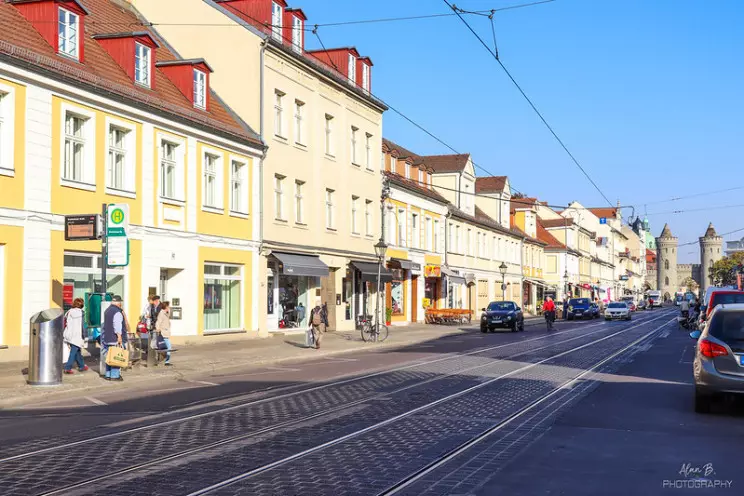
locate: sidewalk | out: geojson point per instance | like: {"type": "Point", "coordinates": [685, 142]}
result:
{"type": "Point", "coordinates": [205, 358]}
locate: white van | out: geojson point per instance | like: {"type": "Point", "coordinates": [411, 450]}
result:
{"type": "Point", "coordinates": [655, 297]}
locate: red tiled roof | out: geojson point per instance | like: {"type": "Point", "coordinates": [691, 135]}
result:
{"type": "Point", "coordinates": [23, 45]}
{"type": "Point", "coordinates": [516, 203]}
{"type": "Point", "coordinates": [607, 213]}
{"type": "Point", "coordinates": [544, 236]}
{"type": "Point", "coordinates": [404, 153]}
{"type": "Point", "coordinates": [447, 163]}
{"type": "Point", "coordinates": [415, 186]}
{"type": "Point", "coordinates": [550, 223]}
{"type": "Point", "coordinates": [493, 184]}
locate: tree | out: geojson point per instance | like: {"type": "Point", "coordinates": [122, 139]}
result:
{"type": "Point", "coordinates": [691, 284]}
{"type": "Point", "coordinates": [724, 270]}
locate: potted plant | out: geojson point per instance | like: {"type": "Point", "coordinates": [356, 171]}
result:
{"type": "Point", "coordinates": [388, 315]}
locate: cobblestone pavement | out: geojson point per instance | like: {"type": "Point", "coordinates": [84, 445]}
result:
{"type": "Point", "coordinates": [378, 429]}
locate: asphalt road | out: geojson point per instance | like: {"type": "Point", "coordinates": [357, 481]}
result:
{"type": "Point", "coordinates": [592, 408]}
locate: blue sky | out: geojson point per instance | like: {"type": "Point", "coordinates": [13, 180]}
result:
{"type": "Point", "coordinates": [647, 94]}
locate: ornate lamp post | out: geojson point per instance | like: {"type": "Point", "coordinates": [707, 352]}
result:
{"type": "Point", "coordinates": [503, 268]}
{"type": "Point", "coordinates": [565, 282]}
{"type": "Point", "coordinates": [380, 249]}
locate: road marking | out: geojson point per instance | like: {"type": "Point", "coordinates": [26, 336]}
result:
{"type": "Point", "coordinates": [206, 383]}
{"type": "Point", "coordinates": [96, 401]}
{"type": "Point", "coordinates": [335, 359]}
{"type": "Point", "coordinates": [283, 369]}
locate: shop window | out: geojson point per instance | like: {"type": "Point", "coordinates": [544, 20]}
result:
{"type": "Point", "coordinates": [7, 131]}
{"type": "Point", "coordinates": [396, 292]}
{"type": "Point", "coordinates": [83, 272]}
{"type": "Point", "coordinates": [222, 297]}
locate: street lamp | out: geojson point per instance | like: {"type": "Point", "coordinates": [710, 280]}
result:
{"type": "Point", "coordinates": [503, 268]}
{"type": "Point", "coordinates": [565, 282]}
{"type": "Point", "coordinates": [380, 249]}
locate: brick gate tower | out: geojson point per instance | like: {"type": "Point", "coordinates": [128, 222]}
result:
{"type": "Point", "coordinates": [711, 251]}
{"type": "Point", "coordinates": [666, 262]}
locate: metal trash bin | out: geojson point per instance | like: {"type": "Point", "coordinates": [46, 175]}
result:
{"type": "Point", "coordinates": [45, 348]}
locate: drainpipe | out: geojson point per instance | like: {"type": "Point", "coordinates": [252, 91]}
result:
{"type": "Point", "coordinates": [521, 270]}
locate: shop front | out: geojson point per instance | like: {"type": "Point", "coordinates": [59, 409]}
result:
{"type": "Point", "coordinates": [400, 299]}
{"type": "Point", "coordinates": [455, 284]}
{"type": "Point", "coordinates": [82, 274]}
{"type": "Point", "coordinates": [293, 287]}
{"type": "Point", "coordinates": [360, 288]}
{"type": "Point", "coordinates": [432, 286]}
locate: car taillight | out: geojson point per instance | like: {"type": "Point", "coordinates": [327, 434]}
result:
{"type": "Point", "coordinates": [711, 350]}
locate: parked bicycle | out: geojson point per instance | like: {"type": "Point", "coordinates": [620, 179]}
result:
{"type": "Point", "coordinates": [370, 333]}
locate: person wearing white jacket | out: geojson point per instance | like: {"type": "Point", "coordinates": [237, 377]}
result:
{"type": "Point", "coordinates": [73, 336]}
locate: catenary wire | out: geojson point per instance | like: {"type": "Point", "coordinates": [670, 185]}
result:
{"type": "Point", "coordinates": [537, 111]}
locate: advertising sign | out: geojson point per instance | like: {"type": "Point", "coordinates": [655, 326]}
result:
{"type": "Point", "coordinates": [432, 271]}
{"type": "Point", "coordinates": [68, 290]}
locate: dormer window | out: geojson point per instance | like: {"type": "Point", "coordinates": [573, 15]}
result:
{"type": "Point", "coordinates": [352, 68]}
{"type": "Point", "coordinates": [297, 26]}
{"type": "Point", "coordinates": [200, 89]}
{"type": "Point", "coordinates": [68, 33]}
{"type": "Point", "coordinates": [142, 60]}
{"type": "Point", "coordinates": [276, 21]}
{"type": "Point", "coordinates": [365, 77]}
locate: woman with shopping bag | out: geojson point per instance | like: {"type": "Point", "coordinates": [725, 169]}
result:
{"type": "Point", "coordinates": [113, 353]}
{"type": "Point", "coordinates": [73, 336]}
{"type": "Point", "coordinates": [162, 326]}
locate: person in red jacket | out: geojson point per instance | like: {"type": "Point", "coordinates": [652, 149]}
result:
{"type": "Point", "coordinates": [549, 312]}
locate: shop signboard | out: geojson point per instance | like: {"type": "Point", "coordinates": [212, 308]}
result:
{"type": "Point", "coordinates": [82, 227]}
{"type": "Point", "coordinates": [68, 290]}
{"type": "Point", "coordinates": [432, 271]}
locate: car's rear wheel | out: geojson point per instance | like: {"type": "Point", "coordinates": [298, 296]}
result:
{"type": "Point", "coordinates": [702, 402]}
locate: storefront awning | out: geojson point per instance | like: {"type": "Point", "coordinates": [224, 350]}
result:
{"type": "Point", "coordinates": [453, 276]}
{"type": "Point", "coordinates": [369, 272]}
{"type": "Point", "coordinates": [536, 282]}
{"type": "Point", "coordinates": [295, 264]}
{"type": "Point", "coordinates": [406, 264]}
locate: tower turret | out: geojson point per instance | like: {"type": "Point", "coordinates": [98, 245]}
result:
{"type": "Point", "coordinates": [666, 261]}
{"type": "Point", "coordinates": [711, 250]}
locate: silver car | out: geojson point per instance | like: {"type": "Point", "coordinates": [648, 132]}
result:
{"type": "Point", "coordinates": [719, 358]}
{"type": "Point", "coordinates": [617, 310]}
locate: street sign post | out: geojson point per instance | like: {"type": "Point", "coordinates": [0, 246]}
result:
{"type": "Point", "coordinates": [118, 220]}
{"type": "Point", "coordinates": [117, 235]}
{"type": "Point", "coordinates": [603, 220]}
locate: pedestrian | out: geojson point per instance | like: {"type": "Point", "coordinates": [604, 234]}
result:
{"type": "Point", "coordinates": [73, 336]}
{"type": "Point", "coordinates": [112, 330]}
{"type": "Point", "coordinates": [565, 307]}
{"type": "Point", "coordinates": [318, 322]}
{"type": "Point", "coordinates": [162, 327]}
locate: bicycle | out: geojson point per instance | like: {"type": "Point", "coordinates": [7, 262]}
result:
{"type": "Point", "coordinates": [549, 319]}
{"type": "Point", "coordinates": [370, 334]}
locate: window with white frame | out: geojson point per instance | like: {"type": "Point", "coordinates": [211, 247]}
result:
{"type": "Point", "coordinates": [68, 34]}
{"type": "Point", "coordinates": [222, 297]}
{"type": "Point", "coordinates": [238, 190]}
{"type": "Point", "coordinates": [75, 143]}
{"type": "Point", "coordinates": [354, 135]}
{"type": "Point", "coordinates": [297, 34]}
{"type": "Point", "coordinates": [276, 21]}
{"type": "Point", "coordinates": [401, 227]}
{"type": "Point", "coordinates": [368, 151]}
{"type": "Point", "coordinates": [365, 77]}
{"type": "Point", "coordinates": [200, 89]}
{"type": "Point", "coordinates": [428, 234]}
{"type": "Point", "coordinates": [7, 131]}
{"type": "Point", "coordinates": [330, 209]}
{"type": "Point", "coordinates": [212, 184]}
{"type": "Point", "coordinates": [435, 246]}
{"type": "Point", "coordinates": [279, 197]}
{"type": "Point", "coordinates": [368, 217]}
{"type": "Point", "coordinates": [142, 64]}
{"type": "Point", "coordinates": [354, 211]}
{"type": "Point", "coordinates": [352, 68]}
{"type": "Point", "coordinates": [117, 172]}
{"type": "Point", "coordinates": [329, 134]}
{"type": "Point", "coordinates": [299, 122]}
{"type": "Point", "coordinates": [169, 169]}
{"type": "Point", "coordinates": [299, 202]}
{"type": "Point", "coordinates": [421, 177]}
{"type": "Point", "coordinates": [415, 232]}
{"type": "Point", "coordinates": [408, 170]}
{"type": "Point", "coordinates": [279, 113]}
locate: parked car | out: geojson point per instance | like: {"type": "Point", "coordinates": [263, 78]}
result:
{"type": "Point", "coordinates": [582, 308]}
{"type": "Point", "coordinates": [719, 359]}
{"type": "Point", "coordinates": [722, 297]}
{"type": "Point", "coordinates": [504, 314]}
{"type": "Point", "coordinates": [617, 310]}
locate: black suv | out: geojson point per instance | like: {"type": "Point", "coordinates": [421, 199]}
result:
{"type": "Point", "coordinates": [582, 308]}
{"type": "Point", "coordinates": [504, 314]}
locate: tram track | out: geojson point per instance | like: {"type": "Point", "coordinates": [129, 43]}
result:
{"type": "Point", "coordinates": [118, 474]}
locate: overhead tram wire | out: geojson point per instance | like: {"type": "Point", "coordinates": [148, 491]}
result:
{"type": "Point", "coordinates": [721, 235]}
{"type": "Point", "coordinates": [537, 111]}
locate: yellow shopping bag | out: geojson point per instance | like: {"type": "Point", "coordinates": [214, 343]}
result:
{"type": "Point", "coordinates": [117, 357]}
